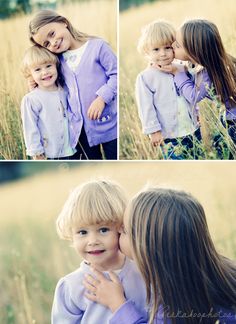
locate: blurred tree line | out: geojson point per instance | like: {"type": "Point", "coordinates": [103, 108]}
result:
{"type": "Point", "coordinates": [125, 4]}
{"type": "Point", "coordinates": [13, 7]}
{"type": "Point", "coordinates": [10, 171]}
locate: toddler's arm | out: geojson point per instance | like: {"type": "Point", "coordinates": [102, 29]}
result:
{"type": "Point", "coordinates": [146, 109]}
{"type": "Point", "coordinates": [29, 115]}
{"type": "Point", "coordinates": [63, 309]}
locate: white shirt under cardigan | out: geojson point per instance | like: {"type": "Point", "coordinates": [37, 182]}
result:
{"type": "Point", "coordinates": [45, 123]}
{"type": "Point", "coordinates": [70, 306]}
{"type": "Point", "coordinates": [159, 106]}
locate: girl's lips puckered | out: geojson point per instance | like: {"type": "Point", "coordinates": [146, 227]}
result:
{"type": "Point", "coordinates": [96, 252]}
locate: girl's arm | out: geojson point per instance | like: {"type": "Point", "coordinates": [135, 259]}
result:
{"type": "Point", "coordinates": [108, 91]}
{"type": "Point", "coordinates": [193, 90]}
{"type": "Point", "coordinates": [108, 61]}
{"type": "Point", "coordinates": [146, 109]}
{"type": "Point", "coordinates": [110, 293]}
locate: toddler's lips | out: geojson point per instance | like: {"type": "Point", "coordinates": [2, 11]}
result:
{"type": "Point", "coordinates": [96, 252]}
{"type": "Point", "coordinates": [47, 78]}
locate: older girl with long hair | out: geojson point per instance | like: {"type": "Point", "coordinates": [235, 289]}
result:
{"type": "Point", "coordinates": [187, 280]}
{"type": "Point", "coordinates": [198, 41]}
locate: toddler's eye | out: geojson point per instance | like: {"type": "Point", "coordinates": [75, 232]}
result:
{"type": "Point", "coordinates": [156, 49]}
{"type": "Point", "coordinates": [104, 230]}
{"type": "Point", "coordinates": [51, 34]}
{"type": "Point", "coordinates": [37, 70]}
{"type": "Point", "coordinates": [49, 65]}
{"type": "Point", "coordinates": [169, 47]}
{"type": "Point", "coordinates": [82, 232]}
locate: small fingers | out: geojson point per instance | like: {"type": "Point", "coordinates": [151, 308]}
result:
{"type": "Point", "coordinates": [90, 296]}
{"type": "Point", "coordinates": [114, 277]}
{"type": "Point", "coordinates": [91, 280]}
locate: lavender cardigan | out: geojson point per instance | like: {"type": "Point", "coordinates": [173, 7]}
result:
{"type": "Point", "coordinates": [193, 93]}
{"type": "Point", "coordinates": [96, 75]}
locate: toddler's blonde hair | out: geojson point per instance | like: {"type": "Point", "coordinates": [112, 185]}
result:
{"type": "Point", "coordinates": [37, 55]}
{"type": "Point", "coordinates": [157, 33]}
{"type": "Point", "coordinates": [93, 202]}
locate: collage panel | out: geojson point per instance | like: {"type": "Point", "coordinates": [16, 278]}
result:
{"type": "Point", "coordinates": [58, 80]}
{"type": "Point", "coordinates": [85, 243]}
{"type": "Point", "coordinates": [177, 80]}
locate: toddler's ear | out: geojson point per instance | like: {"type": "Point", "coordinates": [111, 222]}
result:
{"type": "Point", "coordinates": [121, 229]}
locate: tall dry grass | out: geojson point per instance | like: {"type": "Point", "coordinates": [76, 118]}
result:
{"type": "Point", "coordinates": [133, 144]}
{"type": "Point", "coordinates": [33, 258]}
{"type": "Point", "coordinates": [94, 17]}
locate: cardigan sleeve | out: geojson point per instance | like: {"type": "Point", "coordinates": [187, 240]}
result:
{"type": "Point", "coordinates": [64, 311]}
{"type": "Point", "coordinates": [30, 115]}
{"type": "Point", "coordinates": [108, 61]}
{"type": "Point", "coordinates": [127, 314]}
{"type": "Point", "coordinates": [193, 90]}
{"type": "Point", "coordinates": [146, 109]}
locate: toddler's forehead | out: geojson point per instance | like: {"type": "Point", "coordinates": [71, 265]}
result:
{"type": "Point", "coordinates": [97, 225]}
{"type": "Point", "coordinates": [40, 64]}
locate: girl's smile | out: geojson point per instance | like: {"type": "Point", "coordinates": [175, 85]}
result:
{"type": "Point", "coordinates": [56, 38]}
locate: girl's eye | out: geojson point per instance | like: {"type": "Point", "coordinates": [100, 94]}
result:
{"type": "Point", "coordinates": [156, 49]}
{"type": "Point", "coordinates": [104, 230]}
{"type": "Point", "coordinates": [46, 44]}
{"type": "Point", "coordinates": [169, 47]}
{"type": "Point", "coordinates": [82, 232]}
{"type": "Point", "coordinates": [36, 70]}
{"type": "Point", "coordinates": [51, 34]}
{"type": "Point", "coordinates": [49, 65]}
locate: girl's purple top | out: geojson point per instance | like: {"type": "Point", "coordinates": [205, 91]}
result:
{"type": "Point", "coordinates": [96, 75]}
{"type": "Point", "coordinates": [195, 90]}
{"type": "Point", "coordinates": [129, 314]}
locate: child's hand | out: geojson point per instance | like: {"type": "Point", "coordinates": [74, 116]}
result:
{"type": "Point", "coordinates": [109, 293]}
{"type": "Point", "coordinates": [170, 68]}
{"type": "Point", "coordinates": [156, 138]}
{"type": "Point", "coordinates": [31, 84]}
{"type": "Point", "coordinates": [96, 108]}
{"type": "Point", "coordinates": [39, 157]}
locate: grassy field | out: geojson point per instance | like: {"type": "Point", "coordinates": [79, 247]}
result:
{"type": "Point", "coordinates": [133, 144]}
{"type": "Point", "coordinates": [93, 17]}
{"type": "Point", "coordinates": [33, 258]}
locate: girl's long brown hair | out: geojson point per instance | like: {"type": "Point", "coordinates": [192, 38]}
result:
{"type": "Point", "coordinates": [45, 17]}
{"type": "Point", "coordinates": [202, 42]}
{"type": "Point", "coordinates": [175, 254]}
